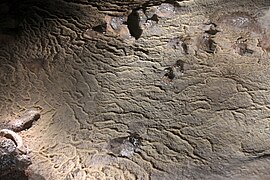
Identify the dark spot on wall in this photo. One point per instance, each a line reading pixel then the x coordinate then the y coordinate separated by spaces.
pixel 179 43
pixel 135 139
pixel 133 23
pixel 169 73
pixel 210 44
pixel 184 47
pixel 206 43
pixel 100 28
pixel 154 18
pixel 241 47
pixel 211 29
pixel 180 64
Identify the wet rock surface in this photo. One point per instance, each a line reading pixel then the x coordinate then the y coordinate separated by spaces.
pixel 175 73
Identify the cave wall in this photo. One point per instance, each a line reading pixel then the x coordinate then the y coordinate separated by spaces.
pixel 190 78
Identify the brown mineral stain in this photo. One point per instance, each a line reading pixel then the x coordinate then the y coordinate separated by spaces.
pixel 242 21
pixel 264 42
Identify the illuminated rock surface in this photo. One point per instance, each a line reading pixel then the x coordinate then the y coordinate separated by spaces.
pixel 103 71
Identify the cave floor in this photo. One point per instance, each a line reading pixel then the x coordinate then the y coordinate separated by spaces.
pixel 195 91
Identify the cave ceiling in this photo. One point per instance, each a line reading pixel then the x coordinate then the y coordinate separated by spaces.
pixel 139 89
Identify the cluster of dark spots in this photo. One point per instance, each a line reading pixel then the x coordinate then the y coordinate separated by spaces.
pixel 136 20
pixel 146 16
pixel 205 40
pixel 232 21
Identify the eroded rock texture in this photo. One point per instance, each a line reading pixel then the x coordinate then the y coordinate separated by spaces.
pixel 178 73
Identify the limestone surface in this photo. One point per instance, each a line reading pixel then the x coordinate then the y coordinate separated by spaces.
pixel 190 78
